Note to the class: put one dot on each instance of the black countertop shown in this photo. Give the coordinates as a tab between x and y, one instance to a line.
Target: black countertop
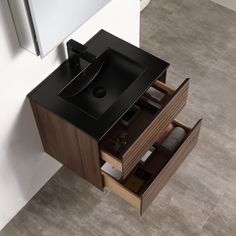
46	93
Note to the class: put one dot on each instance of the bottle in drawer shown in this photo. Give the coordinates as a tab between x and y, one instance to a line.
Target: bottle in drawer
147	155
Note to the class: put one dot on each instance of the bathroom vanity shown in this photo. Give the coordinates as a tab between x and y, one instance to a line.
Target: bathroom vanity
106	113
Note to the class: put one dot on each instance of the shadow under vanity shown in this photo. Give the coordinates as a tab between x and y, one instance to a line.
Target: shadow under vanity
108	114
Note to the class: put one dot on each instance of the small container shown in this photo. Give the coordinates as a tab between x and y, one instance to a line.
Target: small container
130	115
155	95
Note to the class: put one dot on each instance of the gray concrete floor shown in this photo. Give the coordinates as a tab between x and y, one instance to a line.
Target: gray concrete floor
198	38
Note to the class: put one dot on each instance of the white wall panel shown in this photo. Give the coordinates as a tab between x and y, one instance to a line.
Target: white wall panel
24	167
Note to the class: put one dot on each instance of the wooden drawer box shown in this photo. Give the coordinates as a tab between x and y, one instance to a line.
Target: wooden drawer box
144	199
144	130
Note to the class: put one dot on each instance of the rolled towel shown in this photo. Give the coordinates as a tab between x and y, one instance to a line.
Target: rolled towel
175	138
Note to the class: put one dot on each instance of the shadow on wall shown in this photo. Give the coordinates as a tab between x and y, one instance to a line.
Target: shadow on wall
24	149
61	53
9	28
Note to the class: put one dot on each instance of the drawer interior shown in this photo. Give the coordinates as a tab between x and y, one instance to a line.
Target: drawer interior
145	172
121	137
158	162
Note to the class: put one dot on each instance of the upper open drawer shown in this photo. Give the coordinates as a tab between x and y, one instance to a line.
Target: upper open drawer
126	143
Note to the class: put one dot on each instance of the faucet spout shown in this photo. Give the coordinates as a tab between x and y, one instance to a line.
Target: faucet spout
76	52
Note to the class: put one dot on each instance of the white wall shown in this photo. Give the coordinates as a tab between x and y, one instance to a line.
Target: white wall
24	167
231	4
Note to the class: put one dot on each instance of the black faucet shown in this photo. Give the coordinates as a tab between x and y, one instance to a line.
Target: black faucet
80	81
76	52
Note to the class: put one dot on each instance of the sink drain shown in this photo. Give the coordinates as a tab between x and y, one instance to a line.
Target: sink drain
99	92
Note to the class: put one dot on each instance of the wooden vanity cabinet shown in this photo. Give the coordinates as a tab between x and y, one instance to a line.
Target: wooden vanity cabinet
85	155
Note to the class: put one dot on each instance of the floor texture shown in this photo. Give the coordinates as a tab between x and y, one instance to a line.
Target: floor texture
198	38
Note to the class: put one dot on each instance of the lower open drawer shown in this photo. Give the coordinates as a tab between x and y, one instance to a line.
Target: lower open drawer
164	166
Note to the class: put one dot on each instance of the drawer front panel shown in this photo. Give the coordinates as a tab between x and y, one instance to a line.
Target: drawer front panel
171	167
151	133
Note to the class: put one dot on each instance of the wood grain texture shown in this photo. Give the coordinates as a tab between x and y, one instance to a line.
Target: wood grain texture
112	160
142	201
211	213
69	145
152	132
168	89
122	191
170	168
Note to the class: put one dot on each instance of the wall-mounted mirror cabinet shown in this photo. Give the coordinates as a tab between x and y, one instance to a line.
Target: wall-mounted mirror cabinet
42	25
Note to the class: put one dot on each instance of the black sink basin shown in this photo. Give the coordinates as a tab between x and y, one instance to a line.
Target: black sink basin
110	79
101	83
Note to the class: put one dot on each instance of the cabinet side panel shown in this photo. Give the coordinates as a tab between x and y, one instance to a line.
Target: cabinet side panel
89	155
68	145
23	24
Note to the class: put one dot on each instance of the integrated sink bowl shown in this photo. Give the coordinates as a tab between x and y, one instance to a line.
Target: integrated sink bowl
117	75
96	88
